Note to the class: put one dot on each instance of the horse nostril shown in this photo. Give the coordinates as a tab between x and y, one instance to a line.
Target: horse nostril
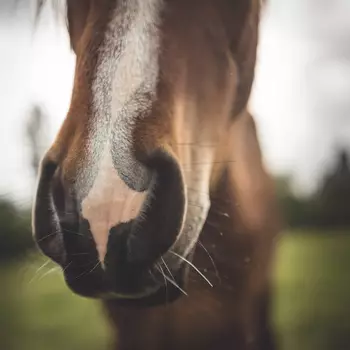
146	238
45	225
58	228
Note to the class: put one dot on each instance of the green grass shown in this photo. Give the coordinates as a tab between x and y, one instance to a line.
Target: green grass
38	312
311	309
312	291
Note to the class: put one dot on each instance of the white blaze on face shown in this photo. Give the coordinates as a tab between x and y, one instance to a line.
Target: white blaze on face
123	90
110	201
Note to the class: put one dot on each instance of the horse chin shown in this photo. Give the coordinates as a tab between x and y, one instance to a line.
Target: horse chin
163	294
156	291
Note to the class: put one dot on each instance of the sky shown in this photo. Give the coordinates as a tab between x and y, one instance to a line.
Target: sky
300	97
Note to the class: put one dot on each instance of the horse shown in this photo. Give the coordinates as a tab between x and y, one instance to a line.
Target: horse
154	197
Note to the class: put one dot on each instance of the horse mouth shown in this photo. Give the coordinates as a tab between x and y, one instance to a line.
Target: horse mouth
138	283
136	269
127	284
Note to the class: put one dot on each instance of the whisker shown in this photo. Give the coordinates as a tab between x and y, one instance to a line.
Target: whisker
66	267
47	236
74	232
193	266
211	259
54	269
152	275
160	269
89	271
167	267
175	285
95	267
64	230
38	270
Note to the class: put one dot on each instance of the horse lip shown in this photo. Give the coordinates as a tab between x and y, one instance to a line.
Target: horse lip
98	285
95	282
163	293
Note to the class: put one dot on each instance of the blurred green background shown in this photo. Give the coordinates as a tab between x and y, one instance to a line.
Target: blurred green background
312	284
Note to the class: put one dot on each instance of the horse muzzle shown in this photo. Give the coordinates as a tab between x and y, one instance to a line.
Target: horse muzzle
132	269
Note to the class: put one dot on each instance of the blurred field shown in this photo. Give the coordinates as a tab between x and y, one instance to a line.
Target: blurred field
312	296
38	312
311	311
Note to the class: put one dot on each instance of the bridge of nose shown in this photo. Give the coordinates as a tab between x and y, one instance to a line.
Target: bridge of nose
109	202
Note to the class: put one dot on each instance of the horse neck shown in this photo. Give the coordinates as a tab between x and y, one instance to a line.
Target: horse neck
233	254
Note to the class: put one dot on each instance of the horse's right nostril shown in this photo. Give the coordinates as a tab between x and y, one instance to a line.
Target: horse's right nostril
156	228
